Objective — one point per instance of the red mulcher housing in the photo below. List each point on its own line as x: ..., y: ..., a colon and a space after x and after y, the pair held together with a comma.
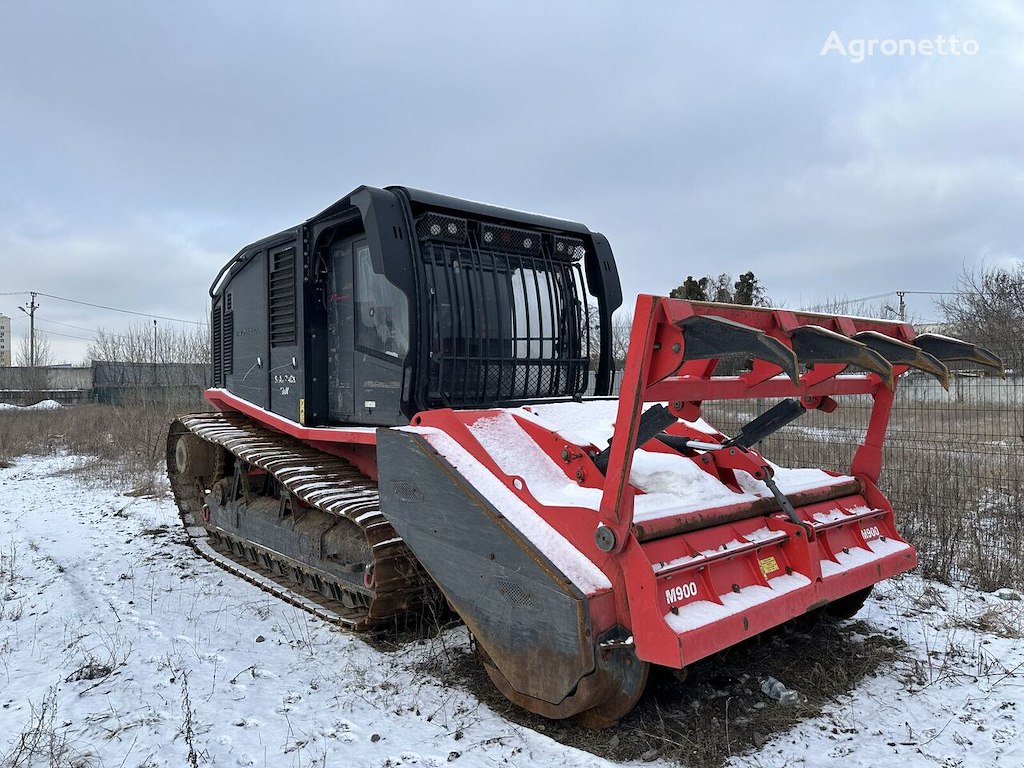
x: 399, y: 385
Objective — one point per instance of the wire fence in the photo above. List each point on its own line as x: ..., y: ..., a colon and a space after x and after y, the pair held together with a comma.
x: 953, y: 467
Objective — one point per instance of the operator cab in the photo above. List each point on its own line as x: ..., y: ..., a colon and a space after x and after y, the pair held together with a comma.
x: 394, y: 301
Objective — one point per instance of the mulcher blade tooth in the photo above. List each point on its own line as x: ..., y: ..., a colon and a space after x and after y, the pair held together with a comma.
x: 710, y: 337
x: 955, y: 351
x: 900, y: 353
x: 814, y: 344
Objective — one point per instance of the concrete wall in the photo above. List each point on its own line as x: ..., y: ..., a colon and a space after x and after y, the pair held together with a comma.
x: 104, y: 382
x: 47, y: 377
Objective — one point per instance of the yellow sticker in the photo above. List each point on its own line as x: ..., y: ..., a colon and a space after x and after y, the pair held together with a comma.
x: 768, y: 565
x: 302, y: 410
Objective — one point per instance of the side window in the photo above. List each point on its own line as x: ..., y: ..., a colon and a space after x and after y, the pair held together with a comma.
x: 382, y: 312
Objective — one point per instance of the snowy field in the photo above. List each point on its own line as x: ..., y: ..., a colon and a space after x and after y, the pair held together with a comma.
x: 119, y: 648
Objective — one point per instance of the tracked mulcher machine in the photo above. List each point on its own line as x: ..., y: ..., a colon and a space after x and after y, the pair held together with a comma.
x: 412, y: 399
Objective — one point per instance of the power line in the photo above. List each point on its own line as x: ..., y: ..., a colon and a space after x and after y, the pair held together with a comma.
x: 94, y: 331
x: 65, y: 335
x: 69, y: 335
x: 125, y: 311
x: 67, y: 325
x: 848, y: 302
x: 871, y: 298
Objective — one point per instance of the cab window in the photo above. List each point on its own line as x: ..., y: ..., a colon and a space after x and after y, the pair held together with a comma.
x: 381, y: 311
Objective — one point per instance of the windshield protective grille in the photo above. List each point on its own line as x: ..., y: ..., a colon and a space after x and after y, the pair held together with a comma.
x: 504, y: 326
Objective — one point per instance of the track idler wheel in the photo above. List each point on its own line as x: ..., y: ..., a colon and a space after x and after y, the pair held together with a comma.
x: 600, y: 700
x: 194, y: 456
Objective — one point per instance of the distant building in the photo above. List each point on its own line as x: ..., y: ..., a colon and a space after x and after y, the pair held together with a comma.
x: 5, y: 341
x: 179, y: 385
x: 133, y: 383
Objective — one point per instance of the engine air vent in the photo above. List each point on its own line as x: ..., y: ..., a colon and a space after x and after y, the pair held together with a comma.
x: 218, y: 353
x: 228, y: 362
x: 282, y: 299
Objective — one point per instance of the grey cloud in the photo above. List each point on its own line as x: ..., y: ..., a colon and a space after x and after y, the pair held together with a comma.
x: 146, y: 142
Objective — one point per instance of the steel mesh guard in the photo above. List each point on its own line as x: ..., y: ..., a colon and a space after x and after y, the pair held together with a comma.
x: 504, y: 326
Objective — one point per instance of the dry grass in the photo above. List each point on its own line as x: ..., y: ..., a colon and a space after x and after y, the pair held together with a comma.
x: 717, y: 710
x: 47, y: 742
x: 954, y: 466
x: 954, y: 471
x: 126, y: 441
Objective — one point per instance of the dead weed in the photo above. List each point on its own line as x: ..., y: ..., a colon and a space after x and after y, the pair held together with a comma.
x: 717, y: 710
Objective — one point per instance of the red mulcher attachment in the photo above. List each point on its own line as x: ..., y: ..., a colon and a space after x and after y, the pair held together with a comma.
x: 699, y: 582
x: 577, y: 565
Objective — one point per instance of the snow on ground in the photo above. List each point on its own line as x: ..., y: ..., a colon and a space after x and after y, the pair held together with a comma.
x: 42, y: 405
x: 101, y: 580
x: 957, y: 699
x: 130, y: 651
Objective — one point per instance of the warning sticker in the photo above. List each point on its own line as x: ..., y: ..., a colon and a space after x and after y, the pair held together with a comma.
x: 768, y: 565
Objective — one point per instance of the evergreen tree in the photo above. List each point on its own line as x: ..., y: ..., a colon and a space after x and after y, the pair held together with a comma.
x: 692, y: 290
x: 747, y: 290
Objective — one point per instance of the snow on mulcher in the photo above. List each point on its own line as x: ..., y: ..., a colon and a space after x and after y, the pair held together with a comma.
x: 400, y: 415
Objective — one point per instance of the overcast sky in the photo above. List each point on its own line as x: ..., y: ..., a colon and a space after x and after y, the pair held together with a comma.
x: 143, y: 143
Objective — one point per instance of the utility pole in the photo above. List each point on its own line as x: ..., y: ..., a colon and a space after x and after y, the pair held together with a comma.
x: 31, y: 312
x: 154, y: 377
x: 903, y: 306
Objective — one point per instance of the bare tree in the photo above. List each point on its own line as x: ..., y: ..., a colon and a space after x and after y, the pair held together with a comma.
x: 592, y: 318
x: 34, y: 378
x: 840, y: 305
x: 988, y: 308
x: 622, y: 325
x: 43, y: 353
x: 720, y: 288
x: 151, y: 357
x: 142, y: 343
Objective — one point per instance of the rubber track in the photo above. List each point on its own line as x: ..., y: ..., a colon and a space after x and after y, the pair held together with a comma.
x: 323, y: 481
